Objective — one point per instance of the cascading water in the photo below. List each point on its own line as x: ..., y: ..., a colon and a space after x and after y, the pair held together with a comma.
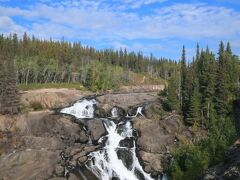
x: 106, y: 164
x: 139, y: 112
x: 81, y: 109
x: 115, y: 159
x: 114, y: 112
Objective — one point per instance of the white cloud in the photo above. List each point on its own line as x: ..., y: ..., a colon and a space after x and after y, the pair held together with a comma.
x: 100, y: 22
x: 8, y: 25
x: 139, y: 3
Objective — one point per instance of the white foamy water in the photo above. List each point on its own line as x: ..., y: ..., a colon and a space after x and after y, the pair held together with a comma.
x: 139, y: 111
x: 105, y: 162
x: 81, y: 109
x: 114, y: 112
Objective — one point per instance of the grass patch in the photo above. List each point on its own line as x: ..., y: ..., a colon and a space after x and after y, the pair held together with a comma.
x: 33, y: 86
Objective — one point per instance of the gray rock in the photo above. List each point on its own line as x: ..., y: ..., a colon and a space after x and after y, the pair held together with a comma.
x: 96, y: 129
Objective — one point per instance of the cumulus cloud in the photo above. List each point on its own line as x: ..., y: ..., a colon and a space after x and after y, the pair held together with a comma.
x: 99, y: 21
x: 8, y: 25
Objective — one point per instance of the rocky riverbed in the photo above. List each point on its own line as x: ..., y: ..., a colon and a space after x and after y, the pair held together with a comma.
x: 48, y: 145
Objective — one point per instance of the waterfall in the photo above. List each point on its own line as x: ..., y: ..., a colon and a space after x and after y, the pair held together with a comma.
x: 81, y: 109
x: 114, y: 159
x: 105, y: 162
x: 139, y: 111
x: 114, y: 112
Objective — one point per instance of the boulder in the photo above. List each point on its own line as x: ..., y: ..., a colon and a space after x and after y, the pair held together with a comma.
x: 126, y: 157
x: 152, y: 161
x: 28, y: 164
x: 127, y: 142
x: 152, y: 136
x: 96, y: 129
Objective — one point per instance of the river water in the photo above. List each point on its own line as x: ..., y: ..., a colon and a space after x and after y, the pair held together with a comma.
x: 117, y: 158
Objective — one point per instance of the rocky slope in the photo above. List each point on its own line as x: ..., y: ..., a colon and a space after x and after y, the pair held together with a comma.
x: 31, y: 145
x: 229, y: 169
x: 159, y: 133
x: 46, y: 145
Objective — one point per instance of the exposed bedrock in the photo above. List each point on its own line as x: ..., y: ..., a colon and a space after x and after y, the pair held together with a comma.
x: 31, y: 144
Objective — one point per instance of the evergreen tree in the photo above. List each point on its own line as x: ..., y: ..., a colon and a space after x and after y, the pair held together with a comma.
x: 9, y: 99
x: 184, y: 94
x: 172, y: 96
x: 198, y: 53
x: 222, y: 86
x: 89, y: 79
x: 194, y: 112
x: 207, y: 80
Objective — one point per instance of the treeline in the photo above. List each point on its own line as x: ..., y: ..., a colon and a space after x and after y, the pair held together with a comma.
x: 46, y: 61
x: 204, y: 92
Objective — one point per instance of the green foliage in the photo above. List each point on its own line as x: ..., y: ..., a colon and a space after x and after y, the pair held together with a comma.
x: 222, y: 134
x: 194, y: 112
x: 172, y: 102
x: 189, y: 161
x: 9, y: 98
x: 184, y: 85
x: 41, y: 61
x: 208, y: 88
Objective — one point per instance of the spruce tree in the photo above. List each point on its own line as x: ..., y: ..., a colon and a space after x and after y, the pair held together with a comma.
x: 184, y: 94
x: 9, y: 98
x: 207, y: 80
x: 194, y: 112
x: 172, y: 96
x: 222, y: 86
x: 198, y: 53
x: 89, y: 79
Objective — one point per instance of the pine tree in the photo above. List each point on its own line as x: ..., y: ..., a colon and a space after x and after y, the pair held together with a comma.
x: 222, y: 86
x: 207, y: 80
x: 197, y: 53
x: 172, y: 96
x: 89, y: 79
x: 184, y: 93
x: 194, y: 112
x: 9, y: 98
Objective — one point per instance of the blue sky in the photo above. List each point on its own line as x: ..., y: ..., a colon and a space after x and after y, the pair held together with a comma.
x: 158, y: 26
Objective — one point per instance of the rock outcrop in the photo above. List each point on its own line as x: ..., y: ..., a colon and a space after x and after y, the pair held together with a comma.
x: 124, y: 100
x: 158, y: 134
x: 229, y: 169
x: 31, y: 146
x: 43, y: 141
x: 51, y: 98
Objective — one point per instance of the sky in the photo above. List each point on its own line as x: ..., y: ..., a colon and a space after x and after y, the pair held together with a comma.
x: 160, y: 27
